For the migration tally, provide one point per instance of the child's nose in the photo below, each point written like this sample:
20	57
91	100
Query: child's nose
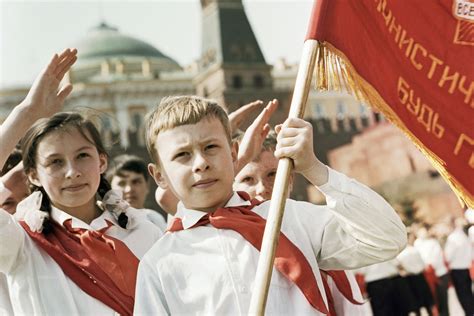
260	188
72	171
264	190
200	163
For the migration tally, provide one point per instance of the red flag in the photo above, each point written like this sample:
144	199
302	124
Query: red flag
414	62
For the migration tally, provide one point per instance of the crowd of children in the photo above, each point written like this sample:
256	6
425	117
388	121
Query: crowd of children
419	278
75	237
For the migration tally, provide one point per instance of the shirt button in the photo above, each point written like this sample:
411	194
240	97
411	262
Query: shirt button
243	289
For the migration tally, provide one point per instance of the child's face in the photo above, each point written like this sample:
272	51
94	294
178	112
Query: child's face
197	164
133	185
68	167
257	177
17	189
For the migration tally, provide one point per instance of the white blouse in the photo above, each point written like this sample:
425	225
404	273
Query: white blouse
36	283
432	254
210	271
411	261
458	250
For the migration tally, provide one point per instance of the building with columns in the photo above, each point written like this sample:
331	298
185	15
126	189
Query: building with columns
119	78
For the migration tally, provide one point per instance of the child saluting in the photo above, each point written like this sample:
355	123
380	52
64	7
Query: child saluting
76	245
206	263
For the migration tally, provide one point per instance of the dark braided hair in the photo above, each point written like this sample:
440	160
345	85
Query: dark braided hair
61	121
46	207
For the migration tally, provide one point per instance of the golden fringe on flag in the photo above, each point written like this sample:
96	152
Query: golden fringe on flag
335	72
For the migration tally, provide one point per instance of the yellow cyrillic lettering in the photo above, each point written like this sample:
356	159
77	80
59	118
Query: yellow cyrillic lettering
382	8
467	92
413	107
438	130
445	77
395	27
435	62
429	111
413	55
403	90
405	41
464	138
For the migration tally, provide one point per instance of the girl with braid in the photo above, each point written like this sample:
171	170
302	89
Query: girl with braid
73	246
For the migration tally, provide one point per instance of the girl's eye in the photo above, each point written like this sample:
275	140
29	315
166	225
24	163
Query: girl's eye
83	155
56	162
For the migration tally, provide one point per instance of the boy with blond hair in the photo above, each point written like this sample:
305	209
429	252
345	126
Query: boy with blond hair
207	261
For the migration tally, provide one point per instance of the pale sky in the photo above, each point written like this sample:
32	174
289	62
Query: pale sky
31	31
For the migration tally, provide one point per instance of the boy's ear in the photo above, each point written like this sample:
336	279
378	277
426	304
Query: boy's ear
103	163
234	151
156	174
33	178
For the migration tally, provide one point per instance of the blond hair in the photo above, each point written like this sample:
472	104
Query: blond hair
177	111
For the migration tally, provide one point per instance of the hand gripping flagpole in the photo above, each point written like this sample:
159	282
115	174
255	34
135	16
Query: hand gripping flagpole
280	189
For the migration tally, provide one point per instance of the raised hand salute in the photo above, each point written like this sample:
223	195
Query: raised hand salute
45	98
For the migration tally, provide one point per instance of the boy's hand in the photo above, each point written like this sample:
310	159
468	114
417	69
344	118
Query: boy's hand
295	141
251	144
240	115
44	99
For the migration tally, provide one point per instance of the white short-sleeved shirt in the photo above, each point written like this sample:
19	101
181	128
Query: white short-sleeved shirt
470	233
211	271
36	283
432	254
411	261
458	250
469	215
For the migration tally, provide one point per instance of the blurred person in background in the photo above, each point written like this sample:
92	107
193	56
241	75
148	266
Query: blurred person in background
411	268
435	268
469	215
458	256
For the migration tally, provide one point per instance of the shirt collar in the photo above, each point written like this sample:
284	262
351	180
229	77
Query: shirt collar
4	192
96	224
190	217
